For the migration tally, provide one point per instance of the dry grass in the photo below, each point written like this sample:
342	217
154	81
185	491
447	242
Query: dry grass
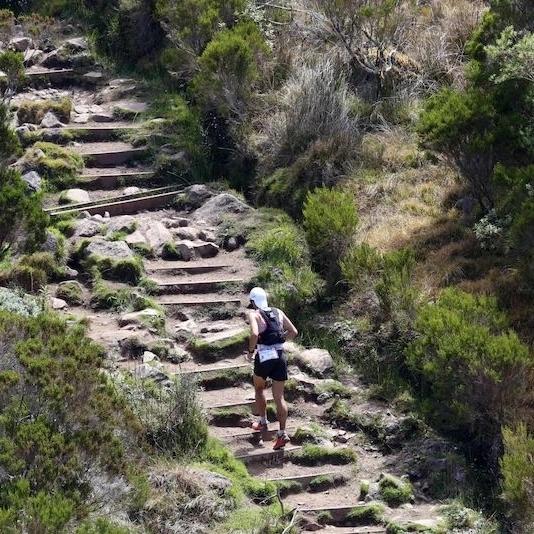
398	193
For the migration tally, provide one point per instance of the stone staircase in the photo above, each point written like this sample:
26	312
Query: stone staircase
203	301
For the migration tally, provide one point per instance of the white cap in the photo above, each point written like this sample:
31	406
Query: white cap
259	297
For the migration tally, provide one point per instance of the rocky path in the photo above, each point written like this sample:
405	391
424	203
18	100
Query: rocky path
335	472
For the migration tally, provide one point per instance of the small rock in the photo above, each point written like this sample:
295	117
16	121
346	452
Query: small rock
51	121
231	244
324	397
74	196
178	355
87	228
33	181
103	117
195	195
140	318
341	438
146	370
178	222
20	44
136	238
123	223
156	234
190	234
76	45
131	190
58	304
219	208
316	361
206	235
81	119
149	357
32	56
69	273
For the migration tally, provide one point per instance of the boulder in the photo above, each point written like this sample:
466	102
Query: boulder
51	121
20	44
88	228
147	371
32	56
189	250
136	238
156	234
129	107
317	361
196	195
74	196
76	45
116	90
113	250
58	304
140	318
123	223
33	181
231	244
176	222
219	208
188	233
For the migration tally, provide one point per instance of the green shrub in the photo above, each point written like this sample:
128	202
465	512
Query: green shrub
330	221
59	166
33	111
22	221
66	227
101	526
228	67
106	297
372	513
471	369
172	419
517	470
316	455
129	270
395	491
282	244
26	277
44	261
57	421
9	142
71	292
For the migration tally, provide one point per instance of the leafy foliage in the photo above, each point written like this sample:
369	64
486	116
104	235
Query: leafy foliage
330	221
59	416
474	374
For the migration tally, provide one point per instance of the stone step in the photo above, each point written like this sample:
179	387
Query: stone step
98	131
337	514
303	480
268	455
124	206
205	371
111	178
352	530
184	268
107	200
42	75
196	286
199	300
108	154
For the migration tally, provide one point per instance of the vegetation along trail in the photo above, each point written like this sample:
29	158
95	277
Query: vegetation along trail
369	163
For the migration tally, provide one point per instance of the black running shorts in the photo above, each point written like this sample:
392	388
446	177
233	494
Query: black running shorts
275	369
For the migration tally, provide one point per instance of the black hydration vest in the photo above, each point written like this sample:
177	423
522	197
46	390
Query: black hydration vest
274	333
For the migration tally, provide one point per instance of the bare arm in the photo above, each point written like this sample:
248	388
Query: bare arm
289	327
254	332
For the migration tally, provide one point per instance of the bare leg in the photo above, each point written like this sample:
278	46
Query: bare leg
281	406
261	401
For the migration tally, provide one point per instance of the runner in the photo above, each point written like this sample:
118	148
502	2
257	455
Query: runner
269	327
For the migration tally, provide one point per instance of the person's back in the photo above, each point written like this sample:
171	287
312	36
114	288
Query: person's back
270	327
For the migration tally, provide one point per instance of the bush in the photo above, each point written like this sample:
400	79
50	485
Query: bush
315	455
9	142
473	372
60	166
128	270
33	111
395	491
227	70
172	419
330	221
21	217
25	277
71	292
60	418
517	470
372	513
